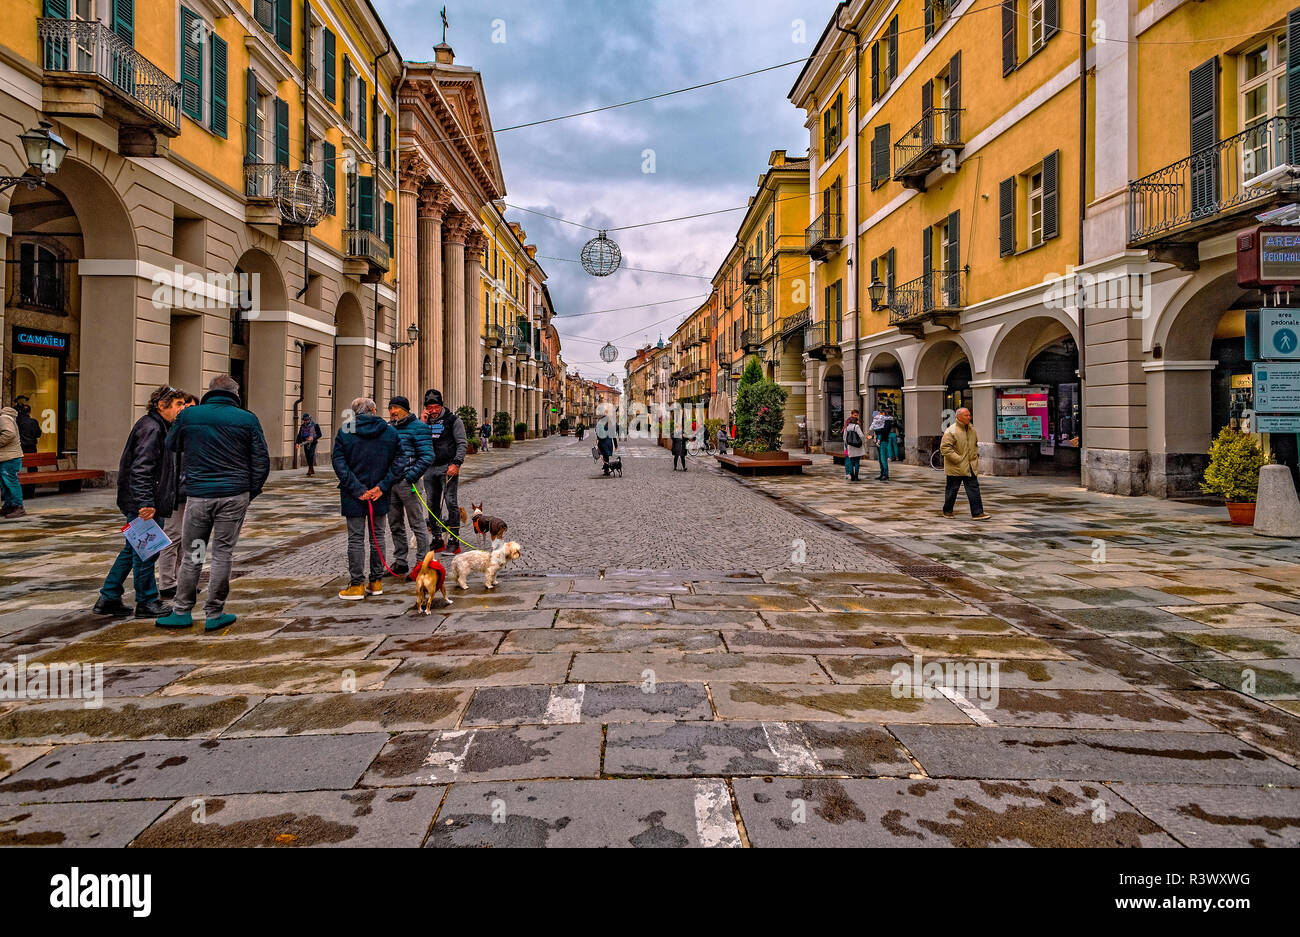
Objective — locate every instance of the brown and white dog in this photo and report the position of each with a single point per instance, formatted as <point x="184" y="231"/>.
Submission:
<point x="430" y="577"/>
<point x="489" y="563"/>
<point x="490" y="528"/>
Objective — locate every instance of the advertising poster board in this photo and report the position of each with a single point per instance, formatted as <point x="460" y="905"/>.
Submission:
<point x="1022" y="414"/>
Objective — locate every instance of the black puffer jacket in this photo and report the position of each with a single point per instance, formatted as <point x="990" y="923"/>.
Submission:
<point x="141" y="465"/>
<point x="223" y="448"/>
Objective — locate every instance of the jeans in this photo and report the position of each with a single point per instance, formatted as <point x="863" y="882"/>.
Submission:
<point x="309" y="454"/>
<point x="405" y="508"/>
<point x="215" y="522"/>
<point x="359" y="536"/>
<point x="12" y="491"/>
<point x="886" y="453"/>
<point x="169" y="560"/>
<point x="128" y="561"/>
<point x="851" y="466"/>
<point x="438" y="489"/>
<point x="954" y="482"/>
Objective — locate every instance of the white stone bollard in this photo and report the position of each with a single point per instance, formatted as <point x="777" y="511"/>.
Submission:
<point x="1277" y="509"/>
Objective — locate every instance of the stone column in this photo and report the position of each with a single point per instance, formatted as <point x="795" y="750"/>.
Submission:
<point x="413" y="172"/>
<point x="474" y="345"/>
<point x="433" y="201"/>
<point x="454" y="232"/>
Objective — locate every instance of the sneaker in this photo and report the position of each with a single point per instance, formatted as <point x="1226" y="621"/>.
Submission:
<point x="221" y="621"/>
<point x="353" y="593"/>
<point x="112" y="607"/>
<point x="154" y="609"/>
<point x="981" y="517"/>
<point x="376" y="587"/>
<point x="947" y="514"/>
<point x="175" y="620"/>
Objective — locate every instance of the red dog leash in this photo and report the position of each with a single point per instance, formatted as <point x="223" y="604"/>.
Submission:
<point x="375" y="537"/>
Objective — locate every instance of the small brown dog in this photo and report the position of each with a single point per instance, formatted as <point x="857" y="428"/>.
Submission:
<point x="430" y="577"/>
<point x="491" y="528"/>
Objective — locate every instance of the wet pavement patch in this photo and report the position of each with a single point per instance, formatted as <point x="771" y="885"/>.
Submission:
<point x="625" y="813"/>
<point x="109" y="825"/>
<point x="358" y="818"/>
<point x="125" y="770"/>
<point x="468" y="642"/>
<point x="855" y="813"/>
<point x="202" y="648"/>
<point x="568" y="640"/>
<point x="1220" y="816"/>
<point x="708" y="667"/>
<point x="595" y="702"/>
<point x="850" y="703"/>
<point x="170" y="717"/>
<point x="522" y="753"/>
<point x="453" y="671"/>
<point x="367" y="711"/>
<point x="814" y="642"/>
<point x="1090" y="709"/>
<point x="283" y="677"/>
<point x="658" y="618"/>
<point x="1262" y="679"/>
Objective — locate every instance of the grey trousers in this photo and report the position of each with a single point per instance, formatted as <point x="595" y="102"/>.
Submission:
<point x="169" y="560"/>
<point x="404" y="508"/>
<point x="215" y="522"/>
<point x="439" y="489"/>
<point x="358" y="538"/>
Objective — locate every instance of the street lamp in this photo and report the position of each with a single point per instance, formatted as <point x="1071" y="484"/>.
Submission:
<point x="487" y="365"/>
<point x="876" y="290"/>
<point x="45" y="151"/>
<point x="412" y="335"/>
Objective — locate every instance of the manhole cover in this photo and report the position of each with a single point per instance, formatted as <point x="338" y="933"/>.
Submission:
<point x="930" y="571"/>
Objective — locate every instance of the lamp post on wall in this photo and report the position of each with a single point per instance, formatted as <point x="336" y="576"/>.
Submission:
<point x="45" y="151"/>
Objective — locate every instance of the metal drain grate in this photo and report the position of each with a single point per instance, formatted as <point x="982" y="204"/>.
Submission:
<point x="930" y="571"/>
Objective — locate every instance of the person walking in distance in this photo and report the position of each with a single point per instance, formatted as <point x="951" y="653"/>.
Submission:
<point x="679" y="444"/>
<point x="307" y="439"/>
<point x="226" y="467"/>
<point x="417" y="453"/>
<point x="171" y="507"/>
<point x="879" y="423"/>
<point x="854" y="447"/>
<point x="442" y="479"/>
<point x="138" y="476"/>
<point x="961" y="459"/>
<point x="11" y="463"/>
<point x="369" y="463"/>
<point x="485" y="435"/>
<point x="29" y="431"/>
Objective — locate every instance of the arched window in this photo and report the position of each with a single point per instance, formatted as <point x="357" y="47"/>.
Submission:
<point x="40" y="278"/>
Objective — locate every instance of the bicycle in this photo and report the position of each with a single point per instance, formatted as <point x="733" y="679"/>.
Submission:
<point x="695" y="447"/>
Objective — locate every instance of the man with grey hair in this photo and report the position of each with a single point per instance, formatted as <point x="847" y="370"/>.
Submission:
<point x="226" y="466"/>
<point x="368" y="460"/>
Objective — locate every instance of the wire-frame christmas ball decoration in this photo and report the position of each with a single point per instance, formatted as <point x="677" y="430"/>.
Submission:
<point x="300" y="195"/>
<point x="608" y="353"/>
<point x="612" y="381"/>
<point x="600" y="256"/>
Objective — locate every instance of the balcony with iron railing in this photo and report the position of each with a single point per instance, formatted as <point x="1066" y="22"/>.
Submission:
<point x="361" y="244"/>
<point x="816" y="340"/>
<point x="498" y="336"/>
<point x="751" y="270"/>
<point x="924" y="147"/>
<point x="522" y="345"/>
<point x="937" y="296"/>
<point x="1214" y="190"/>
<point x="825" y="235"/>
<point x="794" y="323"/>
<point x="91" y="71"/>
<point x="751" y="340"/>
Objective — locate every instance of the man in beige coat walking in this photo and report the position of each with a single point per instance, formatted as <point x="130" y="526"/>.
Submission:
<point x="961" y="462"/>
<point x="11" y="463"/>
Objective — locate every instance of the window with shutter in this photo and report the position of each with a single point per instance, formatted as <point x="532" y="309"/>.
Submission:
<point x="952" y="92"/>
<point x="284" y="25"/>
<point x="219" y="82"/>
<point x="1051" y="18"/>
<point x="191" y="64"/>
<point x="361" y="107"/>
<point x="892" y="71"/>
<point x="282" y="132"/>
<point x="952" y="261"/>
<point x="929" y="18"/>
<point x="1293" y="78"/>
<point x="1204" y="170"/>
<point x="388" y="142"/>
<point x="388" y="224"/>
<point x="252" y="126"/>
<point x="880" y="156"/>
<point x="124" y="19"/>
<point x="1007" y="217"/>
<point x="1051" y="195"/>
<point x="328" y="61"/>
<point x="875" y="72"/>
<point x="347" y="89"/>
<point x="365" y="203"/>
<point x="329" y="169"/>
<point x="1009" y="50"/>
<point x="927" y="265"/>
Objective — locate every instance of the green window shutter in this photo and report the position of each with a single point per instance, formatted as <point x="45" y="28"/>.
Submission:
<point x="284" y="25"/>
<point x="875" y="71"/>
<point x="893" y="50"/>
<point x="1007" y="216"/>
<point x="330" y="171"/>
<point x="880" y="156"/>
<point x="1051" y="195"/>
<point x="124" y="19"/>
<point x="1204" y="107"/>
<point x="56" y="9"/>
<point x="365" y="203"/>
<point x="889" y="294"/>
<point x="347" y="88"/>
<point x="361" y="107"/>
<point x="388" y="224"/>
<point x="282" y="132"/>
<point x="954" y="98"/>
<point x="191" y="65"/>
<point x="929" y="18"/>
<point x="251" y="129"/>
<point x="219" y="83"/>
<point x="926" y="244"/>
<point x="1293" y="79"/>
<point x="329" y="80"/>
<point x="388" y="142"/>
<point x="839" y="310"/>
<point x="1009" y="17"/>
<point x="56" y="50"/>
<point x="1051" y="18"/>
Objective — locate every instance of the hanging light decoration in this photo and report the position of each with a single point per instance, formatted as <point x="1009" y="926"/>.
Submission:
<point x="300" y="195"/>
<point x="609" y="353"/>
<point x="612" y="381"/>
<point x="600" y="256"/>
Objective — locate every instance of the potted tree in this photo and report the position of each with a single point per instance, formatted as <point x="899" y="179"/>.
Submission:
<point x="760" y="415"/>
<point x="564" y="426"/>
<point x="1233" y="473"/>
<point x="521" y="430"/>
<point x="501" y="430"/>
<point x="469" y="419"/>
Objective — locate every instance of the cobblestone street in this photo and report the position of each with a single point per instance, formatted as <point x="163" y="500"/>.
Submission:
<point x="678" y="660"/>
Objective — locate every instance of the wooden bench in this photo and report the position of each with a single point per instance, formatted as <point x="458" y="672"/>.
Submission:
<point x="68" y="480"/>
<point x="744" y="466"/>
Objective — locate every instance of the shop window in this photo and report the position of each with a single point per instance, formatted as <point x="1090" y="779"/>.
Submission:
<point x="40" y="279"/>
<point x="1035" y="208"/>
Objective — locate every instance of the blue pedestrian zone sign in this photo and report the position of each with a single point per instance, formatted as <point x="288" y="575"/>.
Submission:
<point x="1279" y="333"/>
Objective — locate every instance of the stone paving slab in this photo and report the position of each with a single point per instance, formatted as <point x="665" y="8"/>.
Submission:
<point x="143" y="680"/>
<point x="895" y="605"/>
<point x="982" y="647"/>
<point x="282" y="677"/>
<point x="709" y="667"/>
<point x="123" y="718"/>
<point x="359" y="818"/>
<point x="627" y="600"/>
<point x="1224" y="817"/>
<point x="812" y="642"/>
<point x="825" y="703"/>
<point x="729" y="619"/>
<point x="570" y="640"/>
<point x="1269" y="728"/>
<point x="469" y="671"/>
<point x="117" y="770"/>
<point x="1247" y="643"/>
<point x="1073" y="754"/>
<point x="855" y="813"/>
<point x="340" y="625"/>
<point x="13" y="757"/>
<point x="628" y="813"/>
<point x="200" y="648"/>
<point x="367" y="711"/>
<point x="753" y="748"/>
<point x="433" y="645"/>
<point x="598" y="588"/>
<point x="1042" y="674"/>
<point x="595" y="702"/>
<point x="1245" y="615"/>
<point x="1269" y="679"/>
<point x="1090" y="709"/>
<point x="508" y="620"/>
<point x="516" y="753"/>
<point x="106" y="826"/>
<point x="892" y="623"/>
<point x="756" y="603"/>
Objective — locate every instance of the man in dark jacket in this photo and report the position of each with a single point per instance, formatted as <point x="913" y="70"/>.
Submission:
<point x="29" y="431"/>
<point x="443" y="477"/>
<point x="138" y="475"/>
<point x="226" y="465"/>
<point x="308" y="438"/>
<point x="368" y="461"/>
<point x="417" y="451"/>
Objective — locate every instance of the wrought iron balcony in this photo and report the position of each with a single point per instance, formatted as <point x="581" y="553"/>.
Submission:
<point x="522" y="346"/>
<point x="816" y="340"/>
<point x="937" y="296"/>
<point x="1214" y="190"/>
<point x="360" y="244"/>
<point x="794" y="323"/>
<point x="499" y="336"/>
<point x="260" y="179"/>
<point x="751" y="340"/>
<point x="922" y="149"/>
<point x="91" y="71"/>
<point x="751" y="270"/>
<point x="825" y="235"/>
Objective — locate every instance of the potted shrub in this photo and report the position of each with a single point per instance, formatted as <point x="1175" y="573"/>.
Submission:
<point x="760" y="415"/>
<point x="469" y="419"/>
<point x="521" y="430"/>
<point x="564" y="426"/>
<point x="501" y="442"/>
<point x="1233" y="473"/>
<point x="500" y="424"/>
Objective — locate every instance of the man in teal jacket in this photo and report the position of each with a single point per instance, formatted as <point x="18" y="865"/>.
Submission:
<point x="417" y="450"/>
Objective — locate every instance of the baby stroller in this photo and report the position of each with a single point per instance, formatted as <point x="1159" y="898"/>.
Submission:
<point x="613" y="465"/>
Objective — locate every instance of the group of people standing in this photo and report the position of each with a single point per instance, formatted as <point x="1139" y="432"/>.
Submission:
<point x="883" y="430"/>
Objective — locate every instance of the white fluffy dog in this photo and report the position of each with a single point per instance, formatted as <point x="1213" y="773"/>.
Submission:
<point x="490" y="563"/>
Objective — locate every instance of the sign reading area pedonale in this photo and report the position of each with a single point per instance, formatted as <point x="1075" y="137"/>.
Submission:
<point x="1279" y="256"/>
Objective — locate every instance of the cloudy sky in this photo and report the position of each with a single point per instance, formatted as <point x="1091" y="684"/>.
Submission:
<point x="709" y="146"/>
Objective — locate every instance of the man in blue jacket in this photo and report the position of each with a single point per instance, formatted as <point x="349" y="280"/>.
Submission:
<point x="226" y="466"/>
<point x="443" y="478"/>
<point x="417" y="451"/>
<point x="368" y="461"/>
